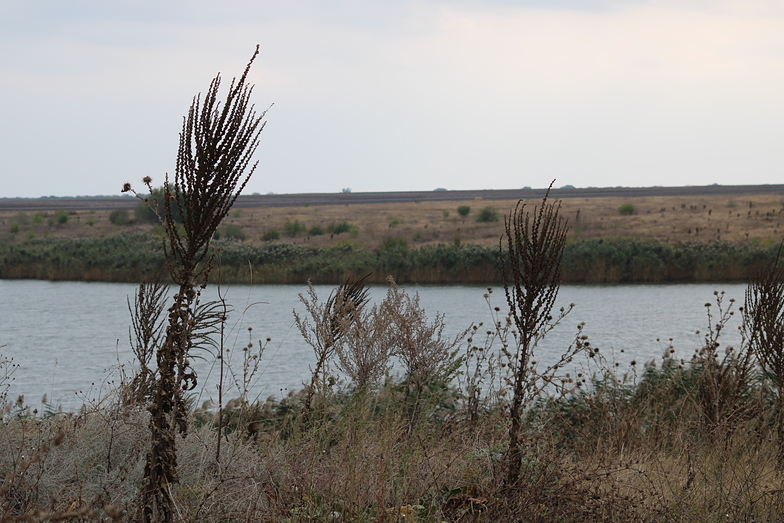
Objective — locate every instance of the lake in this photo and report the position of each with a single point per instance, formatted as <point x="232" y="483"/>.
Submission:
<point x="69" y="338"/>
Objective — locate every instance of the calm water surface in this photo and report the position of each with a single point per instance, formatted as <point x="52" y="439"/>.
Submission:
<point x="68" y="338"/>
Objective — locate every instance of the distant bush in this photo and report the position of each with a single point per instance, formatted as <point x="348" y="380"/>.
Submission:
<point x="463" y="210"/>
<point x="292" y="229"/>
<point x="339" y="227"/>
<point x="39" y="217"/>
<point x="392" y="243"/>
<point x="270" y="234"/>
<point x="60" y="217"/>
<point x="144" y="213"/>
<point x="119" y="217"/>
<point x="488" y="214"/>
<point x="446" y="214"/>
<point x="14" y="228"/>
<point x="316" y="231"/>
<point x="394" y="222"/>
<point x="231" y="232"/>
<point x="627" y="209"/>
<point x="90" y="222"/>
<point x="146" y="210"/>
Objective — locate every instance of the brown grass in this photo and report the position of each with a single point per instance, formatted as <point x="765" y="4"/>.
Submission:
<point x="753" y="218"/>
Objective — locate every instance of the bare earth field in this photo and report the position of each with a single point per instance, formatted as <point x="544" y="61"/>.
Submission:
<point x="735" y="217"/>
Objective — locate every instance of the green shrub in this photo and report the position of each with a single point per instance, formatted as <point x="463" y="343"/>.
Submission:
<point x="291" y="229"/>
<point x="316" y="231"/>
<point x="60" y="217"/>
<point x="270" y="234"/>
<point x="339" y="227"/>
<point x="627" y="209"/>
<point x="394" y="222"/>
<point x="39" y="217"/>
<point x="488" y="214"/>
<point x="14" y="228"/>
<point x="146" y="210"/>
<point x="23" y="218"/>
<point x="392" y="243"/>
<point x="90" y="222"/>
<point x="446" y="214"/>
<point x="119" y="217"/>
<point x="144" y="213"/>
<point x="463" y="210"/>
<point x="232" y="232"/>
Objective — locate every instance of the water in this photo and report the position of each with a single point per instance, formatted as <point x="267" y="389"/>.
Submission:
<point x="69" y="338"/>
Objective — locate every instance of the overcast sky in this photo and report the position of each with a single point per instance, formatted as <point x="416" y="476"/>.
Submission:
<point x="385" y="95"/>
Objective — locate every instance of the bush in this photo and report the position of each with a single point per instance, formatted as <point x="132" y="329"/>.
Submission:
<point x="463" y="210"/>
<point x="14" y="228"/>
<point x="144" y="210"/>
<point x="627" y="209"/>
<point x="232" y="232"/>
<point x="339" y="227"/>
<point x="39" y="217"/>
<point x="392" y="243"/>
<point x="119" y="217"/>
<point x="270" y="234"/>
<point x="488" y="214"/>
<point x="316" y="231"/>
<point x="291" y="229"/>
<point x="60" y="217"/>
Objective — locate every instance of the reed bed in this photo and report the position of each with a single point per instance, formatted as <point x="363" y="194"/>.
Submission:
<point x="133" y="257"/>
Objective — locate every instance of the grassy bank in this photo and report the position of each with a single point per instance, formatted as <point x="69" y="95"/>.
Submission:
<point x="129" y="258"/>
<point x="644" y="443"/>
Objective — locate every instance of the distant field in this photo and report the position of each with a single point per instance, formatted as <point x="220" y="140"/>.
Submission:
<point x="702" y="215"/>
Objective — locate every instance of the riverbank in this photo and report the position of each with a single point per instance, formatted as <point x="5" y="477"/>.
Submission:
<point x="133" y="257"/>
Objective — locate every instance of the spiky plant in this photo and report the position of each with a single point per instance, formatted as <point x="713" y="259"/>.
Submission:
<point x="763" y="325"/>
<point x="532" y="276"/>
<point x="213" y="166"/>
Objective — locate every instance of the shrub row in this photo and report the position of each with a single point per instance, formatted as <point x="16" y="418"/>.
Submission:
<point x="129" y="257"/>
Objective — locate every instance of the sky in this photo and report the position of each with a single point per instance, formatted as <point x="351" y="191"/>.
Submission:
<point x="383" y="95"/>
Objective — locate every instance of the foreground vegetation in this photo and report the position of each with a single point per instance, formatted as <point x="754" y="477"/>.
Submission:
<point x="691" y="439"/>
<point x="130" y="258"/>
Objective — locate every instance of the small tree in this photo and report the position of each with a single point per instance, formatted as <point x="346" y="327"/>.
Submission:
<point x="463" y="210"/>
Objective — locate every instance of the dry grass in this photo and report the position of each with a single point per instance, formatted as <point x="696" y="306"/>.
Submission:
<point x="679" y="219"/>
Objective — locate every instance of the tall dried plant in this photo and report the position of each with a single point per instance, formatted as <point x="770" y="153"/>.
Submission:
<point x="331" y="321"/>
<point x="531" y="271"/>
<point x="763" y="325"/>
<point x="145" y="335"/>
<point x="425" y="353"/>
<point x="725" y="381"/>
<point x="217" y="143"/>
<point x="368" y="345"/>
